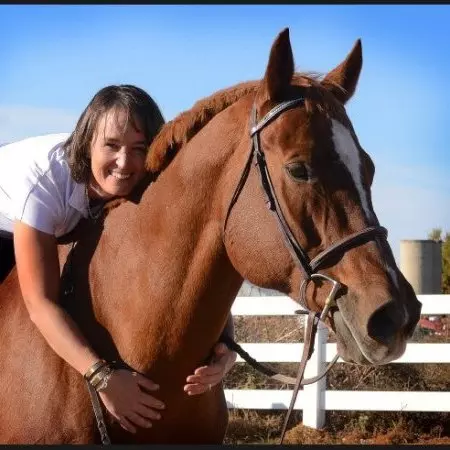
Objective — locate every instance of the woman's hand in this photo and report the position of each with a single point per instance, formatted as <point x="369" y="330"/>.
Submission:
<point x="206" y="377"/>
<point x="125" y="397"/>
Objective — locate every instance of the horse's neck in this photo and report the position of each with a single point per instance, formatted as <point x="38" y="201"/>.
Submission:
<point x="167" y="273"/>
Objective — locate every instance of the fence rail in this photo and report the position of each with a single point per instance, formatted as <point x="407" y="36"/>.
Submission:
<point x="315" y="399"/>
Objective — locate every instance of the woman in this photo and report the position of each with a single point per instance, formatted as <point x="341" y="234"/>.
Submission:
<point x="57" y="180"/>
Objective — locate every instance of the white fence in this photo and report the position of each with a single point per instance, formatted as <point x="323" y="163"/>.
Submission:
<point x="314" y="400"/>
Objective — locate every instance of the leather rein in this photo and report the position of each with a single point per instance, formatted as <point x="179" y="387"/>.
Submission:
<point x="308" y="267"/>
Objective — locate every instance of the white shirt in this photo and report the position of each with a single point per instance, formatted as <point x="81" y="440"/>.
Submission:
<point x="36" y="186"/>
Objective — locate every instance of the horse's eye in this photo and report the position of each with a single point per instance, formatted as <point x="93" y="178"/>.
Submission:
<point x="298" y="171"/>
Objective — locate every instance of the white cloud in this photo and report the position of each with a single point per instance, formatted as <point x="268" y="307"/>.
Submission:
<point x="18" y="122"/>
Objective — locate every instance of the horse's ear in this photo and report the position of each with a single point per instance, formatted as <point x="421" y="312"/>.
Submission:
<point x="280" y="68"/>
<point x="342" y="80"/>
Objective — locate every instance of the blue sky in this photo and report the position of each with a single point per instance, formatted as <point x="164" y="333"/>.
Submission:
<point x="55" y="57"/>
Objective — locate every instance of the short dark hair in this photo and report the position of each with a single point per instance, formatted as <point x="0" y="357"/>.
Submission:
<point x="137" y="104"/>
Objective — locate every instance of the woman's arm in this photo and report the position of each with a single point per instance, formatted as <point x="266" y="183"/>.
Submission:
<point x="39" y="277"/>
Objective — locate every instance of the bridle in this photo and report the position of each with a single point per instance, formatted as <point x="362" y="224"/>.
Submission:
<point x="309" y="267"/>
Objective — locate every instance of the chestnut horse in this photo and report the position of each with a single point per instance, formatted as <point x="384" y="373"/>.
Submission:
<point x="153" y="283"/>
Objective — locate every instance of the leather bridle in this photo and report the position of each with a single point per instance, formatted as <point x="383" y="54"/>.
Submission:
<point x="309" y="267"/>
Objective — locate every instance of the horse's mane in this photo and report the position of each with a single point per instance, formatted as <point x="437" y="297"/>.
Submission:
<point x="176" y="133"/>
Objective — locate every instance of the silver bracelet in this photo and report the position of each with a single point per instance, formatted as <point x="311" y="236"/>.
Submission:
<point x="105" y="379"/>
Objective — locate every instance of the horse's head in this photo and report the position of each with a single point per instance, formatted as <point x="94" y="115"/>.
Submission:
<point x="318" y="181"/>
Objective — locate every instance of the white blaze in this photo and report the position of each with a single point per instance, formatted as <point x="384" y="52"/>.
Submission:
<point x="348" y="152"/>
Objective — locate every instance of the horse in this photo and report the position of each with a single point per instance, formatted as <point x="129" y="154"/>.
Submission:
<point x="153" y="282"/>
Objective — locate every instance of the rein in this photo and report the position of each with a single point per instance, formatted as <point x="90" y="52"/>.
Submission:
<point x="308" y="267"/>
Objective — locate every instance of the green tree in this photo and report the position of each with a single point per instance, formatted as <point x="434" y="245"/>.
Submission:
<point x="436" y="235"/>
<point x="446" y="264"/>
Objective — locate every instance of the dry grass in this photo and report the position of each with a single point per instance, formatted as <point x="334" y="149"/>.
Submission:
<point x="346" y="427"/>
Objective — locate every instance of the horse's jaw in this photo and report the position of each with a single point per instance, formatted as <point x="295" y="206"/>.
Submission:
<point x="356" y="346"/>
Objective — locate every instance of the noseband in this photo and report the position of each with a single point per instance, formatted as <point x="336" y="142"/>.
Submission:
<point x="309" y="267"/>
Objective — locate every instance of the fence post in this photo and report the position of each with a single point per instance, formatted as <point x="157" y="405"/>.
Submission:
<point x="314" y="394"/>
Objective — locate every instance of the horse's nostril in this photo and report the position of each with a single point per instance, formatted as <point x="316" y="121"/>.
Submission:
<point x="385" y="322"/>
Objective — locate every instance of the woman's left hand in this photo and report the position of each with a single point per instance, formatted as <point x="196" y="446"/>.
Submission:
<point x="206" y="377"/>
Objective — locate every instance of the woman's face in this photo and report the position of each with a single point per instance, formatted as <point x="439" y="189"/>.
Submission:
<point x="118" y="152"/>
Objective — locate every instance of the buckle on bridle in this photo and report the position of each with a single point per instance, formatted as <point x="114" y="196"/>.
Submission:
<point x="331" y="297"/>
